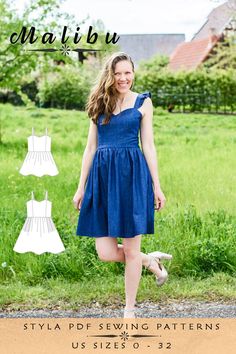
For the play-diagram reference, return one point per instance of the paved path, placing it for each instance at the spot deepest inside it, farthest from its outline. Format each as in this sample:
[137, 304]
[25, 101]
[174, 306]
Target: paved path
[170, 309]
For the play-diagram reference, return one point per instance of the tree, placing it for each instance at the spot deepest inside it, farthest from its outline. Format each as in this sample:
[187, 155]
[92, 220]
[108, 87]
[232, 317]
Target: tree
[223, 55]
[157, 62]
[18, 65]
[15, 62]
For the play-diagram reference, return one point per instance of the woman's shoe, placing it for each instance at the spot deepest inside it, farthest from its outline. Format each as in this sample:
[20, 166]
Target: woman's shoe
[160, 278]
[161, 255]
[129, 313]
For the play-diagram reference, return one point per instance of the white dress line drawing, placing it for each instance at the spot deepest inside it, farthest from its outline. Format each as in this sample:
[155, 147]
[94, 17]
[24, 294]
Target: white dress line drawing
[39, 160]
[39, 233]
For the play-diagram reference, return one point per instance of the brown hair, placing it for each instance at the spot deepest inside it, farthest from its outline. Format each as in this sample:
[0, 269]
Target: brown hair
[103, 96]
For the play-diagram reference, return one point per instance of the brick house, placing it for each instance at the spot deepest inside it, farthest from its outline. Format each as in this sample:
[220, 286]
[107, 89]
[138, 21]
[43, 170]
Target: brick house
[221, 22]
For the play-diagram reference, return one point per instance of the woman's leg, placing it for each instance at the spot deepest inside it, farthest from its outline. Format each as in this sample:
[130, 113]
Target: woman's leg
[109, 250]
[133, 268]
[129, 252]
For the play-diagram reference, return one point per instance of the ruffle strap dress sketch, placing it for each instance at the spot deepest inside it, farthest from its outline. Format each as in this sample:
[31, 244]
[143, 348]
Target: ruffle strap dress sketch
[39, 233]
[39, 160]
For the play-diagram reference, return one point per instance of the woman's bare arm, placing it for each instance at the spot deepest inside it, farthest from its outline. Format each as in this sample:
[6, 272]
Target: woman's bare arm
[88, 154]
[147, 141]
[87, 159]
[149, 150]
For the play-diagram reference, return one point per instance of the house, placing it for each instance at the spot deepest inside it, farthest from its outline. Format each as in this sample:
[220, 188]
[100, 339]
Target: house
[144, 46]
[220, 23]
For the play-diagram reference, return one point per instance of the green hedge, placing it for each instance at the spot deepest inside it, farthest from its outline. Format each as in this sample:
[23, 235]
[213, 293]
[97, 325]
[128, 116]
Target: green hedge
[197, 90]
[67, 89]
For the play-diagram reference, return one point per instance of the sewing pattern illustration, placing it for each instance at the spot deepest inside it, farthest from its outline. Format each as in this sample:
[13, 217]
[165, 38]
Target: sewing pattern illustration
[39, 233]
[39, 160]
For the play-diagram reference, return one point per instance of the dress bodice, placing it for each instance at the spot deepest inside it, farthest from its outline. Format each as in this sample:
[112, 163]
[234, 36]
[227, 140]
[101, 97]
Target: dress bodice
[123, 128]
[39, 160]
[39, 208]
[39, 143]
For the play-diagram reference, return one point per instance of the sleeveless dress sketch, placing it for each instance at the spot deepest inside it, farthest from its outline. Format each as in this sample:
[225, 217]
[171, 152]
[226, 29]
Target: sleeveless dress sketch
[39, 233]
[39, 160]
[118, 200]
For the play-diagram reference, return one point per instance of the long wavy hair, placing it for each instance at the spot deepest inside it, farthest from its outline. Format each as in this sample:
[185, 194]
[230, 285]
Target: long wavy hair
[103, 96]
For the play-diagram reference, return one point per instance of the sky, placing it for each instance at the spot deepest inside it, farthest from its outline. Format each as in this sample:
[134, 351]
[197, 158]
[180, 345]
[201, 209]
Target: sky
[141, 16]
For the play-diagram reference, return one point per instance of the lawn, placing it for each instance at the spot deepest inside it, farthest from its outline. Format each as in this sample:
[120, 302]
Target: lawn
[196, 160]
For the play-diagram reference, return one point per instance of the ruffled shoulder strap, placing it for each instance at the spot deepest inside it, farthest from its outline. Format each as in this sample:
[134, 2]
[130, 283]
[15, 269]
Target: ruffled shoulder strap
[141, 97]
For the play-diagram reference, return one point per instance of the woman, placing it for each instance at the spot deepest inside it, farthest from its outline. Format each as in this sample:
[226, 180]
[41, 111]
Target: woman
[122, 181]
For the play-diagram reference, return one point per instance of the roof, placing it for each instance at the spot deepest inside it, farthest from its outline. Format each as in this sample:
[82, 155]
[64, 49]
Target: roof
[216, 21]
[144, 46]
[189, 55]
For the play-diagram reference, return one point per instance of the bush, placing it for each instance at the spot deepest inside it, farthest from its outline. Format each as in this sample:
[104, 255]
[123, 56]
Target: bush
[196, 90]
[68, 89]
[31, 90]
[12, 97]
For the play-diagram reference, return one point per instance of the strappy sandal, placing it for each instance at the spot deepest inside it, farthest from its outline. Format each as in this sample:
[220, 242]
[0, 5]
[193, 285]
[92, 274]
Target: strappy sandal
[161, 255]
[160, 279]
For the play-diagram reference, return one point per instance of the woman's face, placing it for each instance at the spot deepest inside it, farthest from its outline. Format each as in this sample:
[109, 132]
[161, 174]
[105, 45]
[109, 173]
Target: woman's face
[124, 76]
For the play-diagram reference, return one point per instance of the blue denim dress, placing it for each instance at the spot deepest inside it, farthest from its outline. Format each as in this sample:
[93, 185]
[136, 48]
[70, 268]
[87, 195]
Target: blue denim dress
[118, 199]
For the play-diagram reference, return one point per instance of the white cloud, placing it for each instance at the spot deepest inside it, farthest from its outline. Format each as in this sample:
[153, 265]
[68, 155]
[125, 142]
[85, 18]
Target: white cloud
[142, 16]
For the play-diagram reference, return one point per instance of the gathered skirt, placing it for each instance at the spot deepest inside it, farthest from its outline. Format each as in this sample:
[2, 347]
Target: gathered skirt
[119, 198]
[39, 235]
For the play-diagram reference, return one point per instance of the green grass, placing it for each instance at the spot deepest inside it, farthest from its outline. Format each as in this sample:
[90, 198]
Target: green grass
[196, 160]
[63, 295]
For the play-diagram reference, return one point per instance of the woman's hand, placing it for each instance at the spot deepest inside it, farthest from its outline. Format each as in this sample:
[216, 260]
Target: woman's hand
[78, 197]
[159, 199]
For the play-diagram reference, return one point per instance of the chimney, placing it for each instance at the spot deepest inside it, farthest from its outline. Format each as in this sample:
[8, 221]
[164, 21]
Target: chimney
[212, 35]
